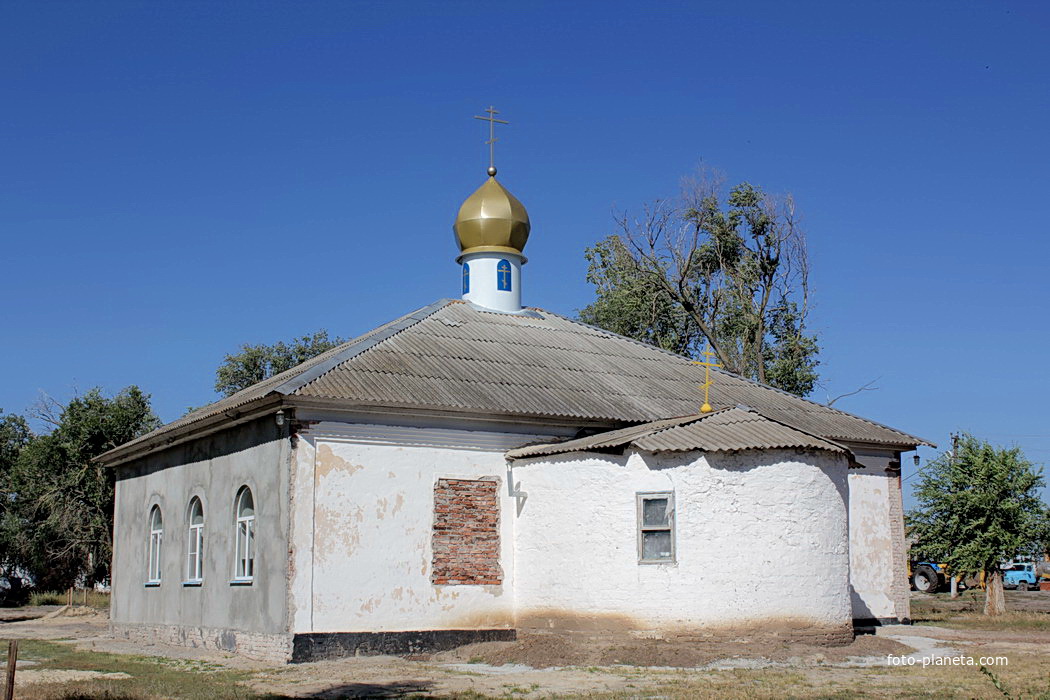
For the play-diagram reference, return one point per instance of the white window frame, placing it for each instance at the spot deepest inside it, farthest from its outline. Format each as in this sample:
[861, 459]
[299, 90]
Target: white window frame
[195, 544]
[245, 539]
[640, 499]
[154, 551]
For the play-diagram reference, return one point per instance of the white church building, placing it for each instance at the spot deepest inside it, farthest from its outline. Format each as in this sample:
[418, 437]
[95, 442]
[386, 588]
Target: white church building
[477, 468]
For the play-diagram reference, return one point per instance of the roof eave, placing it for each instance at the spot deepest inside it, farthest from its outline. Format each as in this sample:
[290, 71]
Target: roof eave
[206, 426]
[359, 406]
[897, 446]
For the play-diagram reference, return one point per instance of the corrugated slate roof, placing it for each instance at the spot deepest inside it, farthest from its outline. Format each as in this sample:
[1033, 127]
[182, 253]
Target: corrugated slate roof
[727, 430]
[456, 356]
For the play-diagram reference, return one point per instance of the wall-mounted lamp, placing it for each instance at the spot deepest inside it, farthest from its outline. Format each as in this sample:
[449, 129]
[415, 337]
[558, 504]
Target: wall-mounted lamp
[279, 418]
[916, 458]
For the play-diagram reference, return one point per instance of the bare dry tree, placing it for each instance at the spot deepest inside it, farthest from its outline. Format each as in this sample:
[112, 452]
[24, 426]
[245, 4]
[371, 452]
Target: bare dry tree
[736, 263]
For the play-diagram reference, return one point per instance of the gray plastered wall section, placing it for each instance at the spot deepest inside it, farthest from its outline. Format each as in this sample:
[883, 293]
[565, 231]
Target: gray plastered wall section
[213, 468]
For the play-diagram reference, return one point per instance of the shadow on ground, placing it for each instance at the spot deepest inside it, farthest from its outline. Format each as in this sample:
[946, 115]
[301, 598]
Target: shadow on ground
[397, 689]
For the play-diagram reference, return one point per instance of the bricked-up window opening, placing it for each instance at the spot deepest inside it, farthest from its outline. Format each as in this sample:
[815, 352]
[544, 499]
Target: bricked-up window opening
[245, 535]
[656, 543]
[466, 533]
[156, 535]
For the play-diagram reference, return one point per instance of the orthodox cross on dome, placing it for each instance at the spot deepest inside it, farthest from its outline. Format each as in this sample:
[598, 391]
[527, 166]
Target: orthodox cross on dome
[491, 119]
[707, 364]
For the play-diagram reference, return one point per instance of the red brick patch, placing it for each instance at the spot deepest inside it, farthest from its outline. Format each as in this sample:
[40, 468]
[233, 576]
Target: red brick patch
[466, 532]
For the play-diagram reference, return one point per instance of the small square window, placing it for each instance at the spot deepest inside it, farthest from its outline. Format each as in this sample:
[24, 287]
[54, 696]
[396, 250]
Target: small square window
[656, 544]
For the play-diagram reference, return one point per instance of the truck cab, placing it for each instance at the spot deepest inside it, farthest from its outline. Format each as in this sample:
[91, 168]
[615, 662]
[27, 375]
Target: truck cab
[1021, 576]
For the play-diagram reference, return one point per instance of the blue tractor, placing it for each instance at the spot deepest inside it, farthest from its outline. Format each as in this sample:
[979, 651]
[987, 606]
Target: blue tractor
[927, 576]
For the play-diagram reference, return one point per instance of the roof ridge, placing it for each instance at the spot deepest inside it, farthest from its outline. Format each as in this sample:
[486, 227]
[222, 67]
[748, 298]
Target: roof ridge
[275, 383]
[685, 421]
[742, 378]
[637, 435]
[310, 371]
[789, 426]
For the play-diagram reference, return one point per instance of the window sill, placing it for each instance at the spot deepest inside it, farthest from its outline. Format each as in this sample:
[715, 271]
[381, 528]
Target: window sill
[658, 562]
[152, 584]
[193, 584]
[241, 582]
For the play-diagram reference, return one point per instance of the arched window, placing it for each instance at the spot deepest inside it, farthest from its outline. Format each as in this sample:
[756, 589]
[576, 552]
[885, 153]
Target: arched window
[195, 542]
[245, 535]
[156, 535]
[466, 278]
[503, 276]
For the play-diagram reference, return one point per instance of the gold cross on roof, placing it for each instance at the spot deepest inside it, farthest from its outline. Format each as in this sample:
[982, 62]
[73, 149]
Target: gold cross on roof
[707, 364]
[491, 119]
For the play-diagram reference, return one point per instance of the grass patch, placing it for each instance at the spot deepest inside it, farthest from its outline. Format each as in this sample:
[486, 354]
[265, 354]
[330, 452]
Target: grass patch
[151, 677]
[95, 599]
[47, 598]
[967, 612]
[1008, 622]
[1025, 677]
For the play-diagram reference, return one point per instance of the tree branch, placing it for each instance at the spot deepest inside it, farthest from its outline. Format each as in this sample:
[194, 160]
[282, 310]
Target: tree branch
[866, 387]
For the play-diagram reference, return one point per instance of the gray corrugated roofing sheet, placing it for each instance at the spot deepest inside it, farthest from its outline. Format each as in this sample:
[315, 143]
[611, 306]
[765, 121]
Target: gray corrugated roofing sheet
[463, 357]
[731, 430]
[728, 430]
[455, 356]
[265, 388]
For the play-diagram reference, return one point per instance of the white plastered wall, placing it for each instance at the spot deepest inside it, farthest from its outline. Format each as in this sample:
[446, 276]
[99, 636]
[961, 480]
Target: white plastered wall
[362, 517]
[761, 540]
[877, 574]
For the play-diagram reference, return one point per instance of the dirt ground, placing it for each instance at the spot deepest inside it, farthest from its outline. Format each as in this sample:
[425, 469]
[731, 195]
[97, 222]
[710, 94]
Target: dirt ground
[587, 664]
[546, 650]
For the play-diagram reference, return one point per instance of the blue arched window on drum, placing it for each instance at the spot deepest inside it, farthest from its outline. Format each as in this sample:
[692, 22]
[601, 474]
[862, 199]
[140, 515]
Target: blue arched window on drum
[466, 278]
[503, 276]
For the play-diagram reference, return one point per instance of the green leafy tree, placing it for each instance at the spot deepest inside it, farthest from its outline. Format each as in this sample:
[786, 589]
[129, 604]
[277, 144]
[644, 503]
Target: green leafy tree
[254, 363]
[635, 305]
[1041, 539]
[978, 508]
[726, 268]
[14, 436]
[59, 517]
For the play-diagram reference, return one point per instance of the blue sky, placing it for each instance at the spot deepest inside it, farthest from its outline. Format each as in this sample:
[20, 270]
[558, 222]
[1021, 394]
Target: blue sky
[180, 178]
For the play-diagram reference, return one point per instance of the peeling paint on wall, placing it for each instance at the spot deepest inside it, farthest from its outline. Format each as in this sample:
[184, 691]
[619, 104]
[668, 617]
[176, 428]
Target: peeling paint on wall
[373, 522]
[875, 534]
[327, 460]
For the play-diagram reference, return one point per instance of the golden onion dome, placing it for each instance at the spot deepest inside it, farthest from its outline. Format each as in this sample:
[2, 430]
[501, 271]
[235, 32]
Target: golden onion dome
[492, 220]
